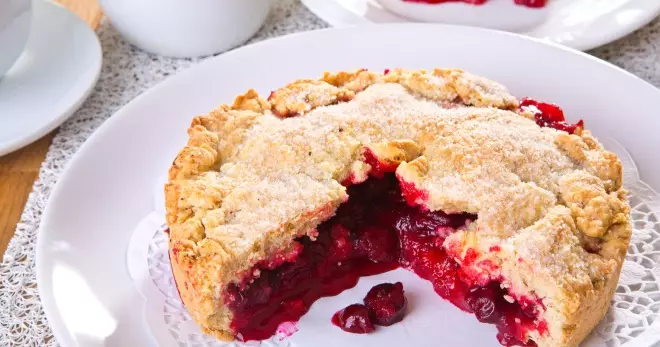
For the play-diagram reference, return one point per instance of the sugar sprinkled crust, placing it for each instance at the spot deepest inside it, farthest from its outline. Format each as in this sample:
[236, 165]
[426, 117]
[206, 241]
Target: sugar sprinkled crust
[259, 173]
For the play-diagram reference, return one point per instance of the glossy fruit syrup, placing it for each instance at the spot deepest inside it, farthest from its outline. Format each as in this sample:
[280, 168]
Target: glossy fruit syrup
[375, 231]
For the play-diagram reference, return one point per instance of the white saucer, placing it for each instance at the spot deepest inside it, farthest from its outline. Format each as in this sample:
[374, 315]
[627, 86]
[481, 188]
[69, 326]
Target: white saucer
[55, 74]
[579, 24]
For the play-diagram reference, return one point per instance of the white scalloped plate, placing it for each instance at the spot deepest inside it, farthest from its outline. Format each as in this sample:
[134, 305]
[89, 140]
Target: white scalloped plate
[111, 184]
[580, 24]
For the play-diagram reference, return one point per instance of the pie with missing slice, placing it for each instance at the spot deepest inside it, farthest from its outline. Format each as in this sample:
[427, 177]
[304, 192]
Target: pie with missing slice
[512, 213]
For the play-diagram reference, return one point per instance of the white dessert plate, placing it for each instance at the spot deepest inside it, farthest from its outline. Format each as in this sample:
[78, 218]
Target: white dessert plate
[51, 79]
[579, 24]
[103, 279]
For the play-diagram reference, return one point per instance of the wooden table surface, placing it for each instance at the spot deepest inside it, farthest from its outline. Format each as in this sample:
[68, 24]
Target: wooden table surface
[20, 169]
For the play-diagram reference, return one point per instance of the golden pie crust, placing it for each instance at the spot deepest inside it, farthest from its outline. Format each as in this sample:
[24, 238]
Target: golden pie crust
[257, 174]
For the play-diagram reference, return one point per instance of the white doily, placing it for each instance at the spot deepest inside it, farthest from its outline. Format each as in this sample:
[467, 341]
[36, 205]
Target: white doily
[126, 73]
[149, 266]
[631, 321]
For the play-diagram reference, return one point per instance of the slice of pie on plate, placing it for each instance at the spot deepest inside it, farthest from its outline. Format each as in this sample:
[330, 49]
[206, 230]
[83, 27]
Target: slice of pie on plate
[514, 214]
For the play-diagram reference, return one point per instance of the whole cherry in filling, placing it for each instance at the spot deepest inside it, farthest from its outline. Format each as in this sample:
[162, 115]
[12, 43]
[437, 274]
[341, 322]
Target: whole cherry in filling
[375, 231]
[354, 319]
[386, 303]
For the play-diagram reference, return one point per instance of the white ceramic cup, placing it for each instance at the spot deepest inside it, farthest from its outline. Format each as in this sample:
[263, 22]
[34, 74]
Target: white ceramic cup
[15, 21]
[186, 28]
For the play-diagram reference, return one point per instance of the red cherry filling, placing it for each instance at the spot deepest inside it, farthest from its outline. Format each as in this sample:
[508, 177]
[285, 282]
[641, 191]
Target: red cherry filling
[386, 303]
[483, 303]
[354, 319]
[378, 168]
[375, 231]
[549, 115]
[528, 3]
[377, 247]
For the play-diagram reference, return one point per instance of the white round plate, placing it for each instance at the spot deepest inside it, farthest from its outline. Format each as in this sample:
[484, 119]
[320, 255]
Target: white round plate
[108, 187]
[51, 79]
[579, 24]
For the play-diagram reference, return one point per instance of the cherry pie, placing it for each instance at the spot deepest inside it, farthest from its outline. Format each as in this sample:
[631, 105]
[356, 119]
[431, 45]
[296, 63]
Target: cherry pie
[512, 213]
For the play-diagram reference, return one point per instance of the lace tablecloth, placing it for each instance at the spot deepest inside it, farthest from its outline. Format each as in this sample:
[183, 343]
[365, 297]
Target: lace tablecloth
[128, 72]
